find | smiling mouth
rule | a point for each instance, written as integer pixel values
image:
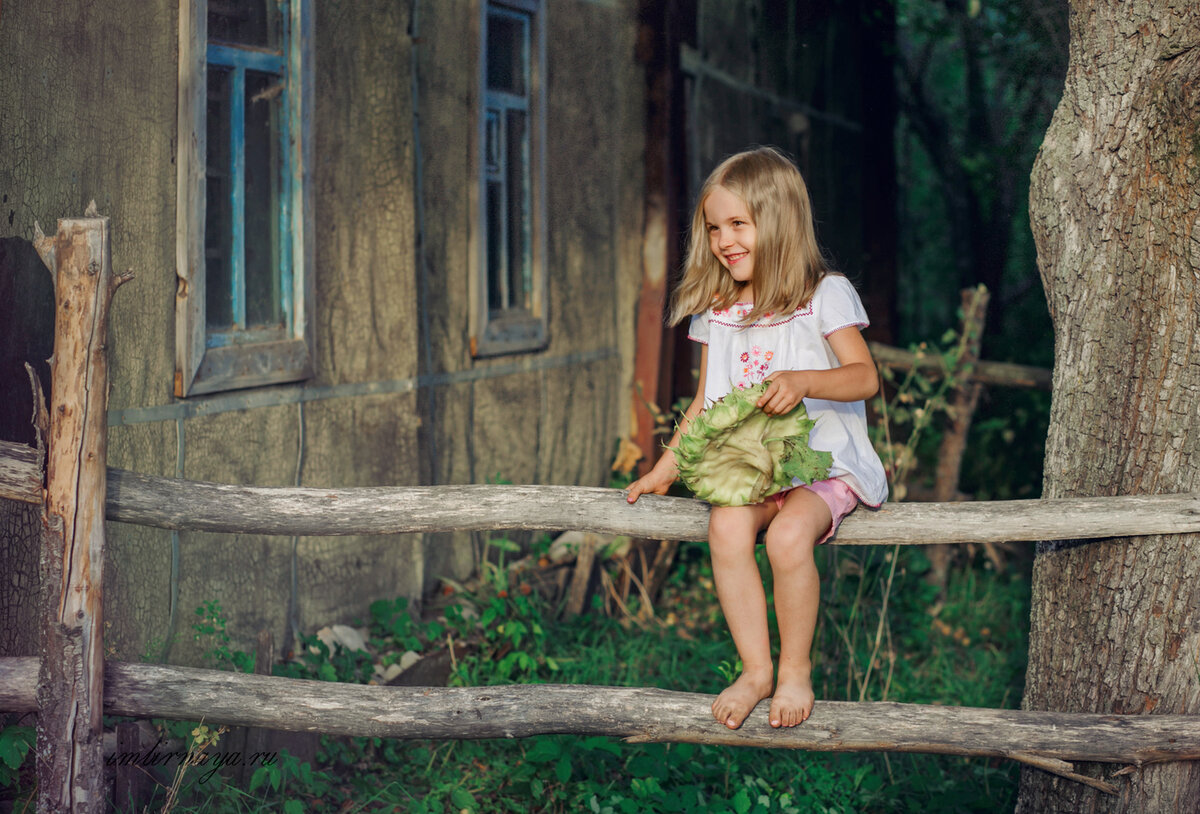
(733, 258)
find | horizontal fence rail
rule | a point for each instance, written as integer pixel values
(1004, 374)
(184, 505)
(1048, 740)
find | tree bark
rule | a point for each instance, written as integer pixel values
(1115, 203)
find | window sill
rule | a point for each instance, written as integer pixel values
(241, 366)
(517, 333)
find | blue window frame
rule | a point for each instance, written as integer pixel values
(245, 91)
(510, 284)
(249, 267)
(507, 178)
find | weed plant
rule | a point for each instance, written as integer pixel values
(884, 635)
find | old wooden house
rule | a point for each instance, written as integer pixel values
(390, 242)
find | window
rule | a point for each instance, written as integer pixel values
(243, 261)
(510, 281)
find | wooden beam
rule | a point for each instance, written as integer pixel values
(1046, 739)
(185, 505)
(1002, 374)
(191, 505)
(70, 685)
(962, 399)
(20, 473)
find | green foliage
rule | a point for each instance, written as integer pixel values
(734, 454)
(977, 85)
(910, 407)
(392, 621)
(509, 638)
(209, 628)
(315, 660)
(16, 742)
(1007, 445)
(883, 635)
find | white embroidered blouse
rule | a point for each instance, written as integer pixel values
(743, 356)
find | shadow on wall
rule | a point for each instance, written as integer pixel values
(26, 334)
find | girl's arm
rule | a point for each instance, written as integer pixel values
(854, 380)
(664, 473)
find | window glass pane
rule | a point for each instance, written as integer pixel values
(245, 22)
(218, 235)
(497, 299)
(520, 250)
(263, 181)
(492, 141)
(507, 63)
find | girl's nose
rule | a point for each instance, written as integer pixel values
(724, 239)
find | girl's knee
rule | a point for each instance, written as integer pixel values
(790, 541)
(731, 528)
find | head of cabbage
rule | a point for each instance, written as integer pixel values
(734, 454)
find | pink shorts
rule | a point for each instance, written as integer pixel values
(840, 499)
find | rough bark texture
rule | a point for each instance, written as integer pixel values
(1114, 201)
(19, 580)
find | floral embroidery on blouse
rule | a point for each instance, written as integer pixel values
(756, 364)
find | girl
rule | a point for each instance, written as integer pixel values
(765, 306)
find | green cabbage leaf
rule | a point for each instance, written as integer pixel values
(734, 454)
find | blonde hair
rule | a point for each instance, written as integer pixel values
(788, 263)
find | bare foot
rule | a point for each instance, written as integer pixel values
(739, 698)
(793, 700)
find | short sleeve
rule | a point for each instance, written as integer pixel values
(698, 329)
(838, 306)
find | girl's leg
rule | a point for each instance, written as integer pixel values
(791, 538)
(731, 535)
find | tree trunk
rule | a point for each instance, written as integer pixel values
(1114, 202)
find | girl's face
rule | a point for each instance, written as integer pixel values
(731, 233)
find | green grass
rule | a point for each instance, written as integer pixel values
(884, 635)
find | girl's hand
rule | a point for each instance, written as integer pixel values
(785, 390)
(655, 482)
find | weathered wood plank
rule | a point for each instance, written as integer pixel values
(70, 684)
(198, 506)
(20, 473)
(168, 503)
(636, 714)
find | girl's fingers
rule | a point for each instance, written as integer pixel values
(768, 394)
(774, 401)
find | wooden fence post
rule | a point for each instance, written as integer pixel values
(961, 410)
(71, 678)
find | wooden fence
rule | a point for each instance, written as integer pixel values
(70, 685)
